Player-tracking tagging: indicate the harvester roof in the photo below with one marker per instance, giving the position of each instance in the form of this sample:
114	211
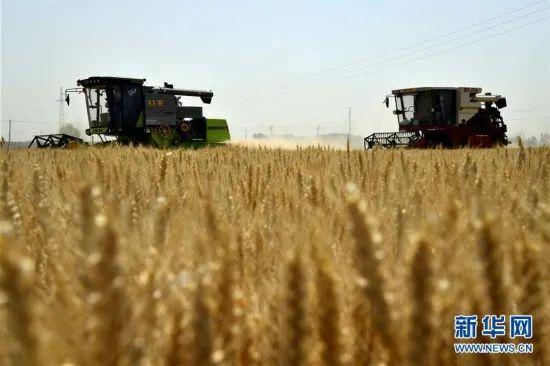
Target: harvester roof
425	88
104	81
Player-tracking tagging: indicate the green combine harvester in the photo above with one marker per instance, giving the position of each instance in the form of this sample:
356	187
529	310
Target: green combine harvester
145	115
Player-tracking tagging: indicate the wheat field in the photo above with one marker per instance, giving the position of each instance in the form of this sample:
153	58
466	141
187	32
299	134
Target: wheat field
255	256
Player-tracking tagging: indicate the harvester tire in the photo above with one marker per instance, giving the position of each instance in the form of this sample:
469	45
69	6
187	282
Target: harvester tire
185	127
165	131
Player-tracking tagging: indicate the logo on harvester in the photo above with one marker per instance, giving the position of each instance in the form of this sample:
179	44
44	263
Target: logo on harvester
493	328
155	103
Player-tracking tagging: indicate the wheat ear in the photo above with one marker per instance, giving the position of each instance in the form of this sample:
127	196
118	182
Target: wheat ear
105	298
422	330
367	241
329	313
293	352
16	282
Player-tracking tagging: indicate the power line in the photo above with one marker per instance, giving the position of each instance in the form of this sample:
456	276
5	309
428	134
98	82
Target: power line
359	66
282	92
529	110
528	118
10	121
362	61
358	74
23	121
451	49
444	42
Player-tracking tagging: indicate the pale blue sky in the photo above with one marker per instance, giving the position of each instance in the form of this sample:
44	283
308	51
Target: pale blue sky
277	62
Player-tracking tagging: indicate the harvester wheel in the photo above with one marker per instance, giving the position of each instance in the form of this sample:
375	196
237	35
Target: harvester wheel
185	127
165	131
186	131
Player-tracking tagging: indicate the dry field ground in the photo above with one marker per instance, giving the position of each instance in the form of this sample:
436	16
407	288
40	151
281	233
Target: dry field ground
254	256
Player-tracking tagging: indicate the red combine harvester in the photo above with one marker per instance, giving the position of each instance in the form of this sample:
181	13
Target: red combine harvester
447	117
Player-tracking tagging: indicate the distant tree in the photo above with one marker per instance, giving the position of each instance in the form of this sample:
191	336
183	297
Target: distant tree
531	141
259	136
70	129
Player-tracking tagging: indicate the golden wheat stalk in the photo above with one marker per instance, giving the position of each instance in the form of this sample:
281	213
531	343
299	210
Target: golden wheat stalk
422	327
293	346
367	262
492	260
328	313
106	298
174	354
257	307
362	335
535	299
16	284
203	342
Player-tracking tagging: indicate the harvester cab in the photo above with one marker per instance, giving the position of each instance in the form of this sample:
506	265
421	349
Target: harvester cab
135	113
448	117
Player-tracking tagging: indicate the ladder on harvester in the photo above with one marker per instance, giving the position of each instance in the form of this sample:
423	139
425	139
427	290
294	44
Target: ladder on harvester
59	140
392	139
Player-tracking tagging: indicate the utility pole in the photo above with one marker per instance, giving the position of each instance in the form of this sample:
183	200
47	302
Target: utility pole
271	130
317	133
9	135
349	122
349	126
245	134
61	109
